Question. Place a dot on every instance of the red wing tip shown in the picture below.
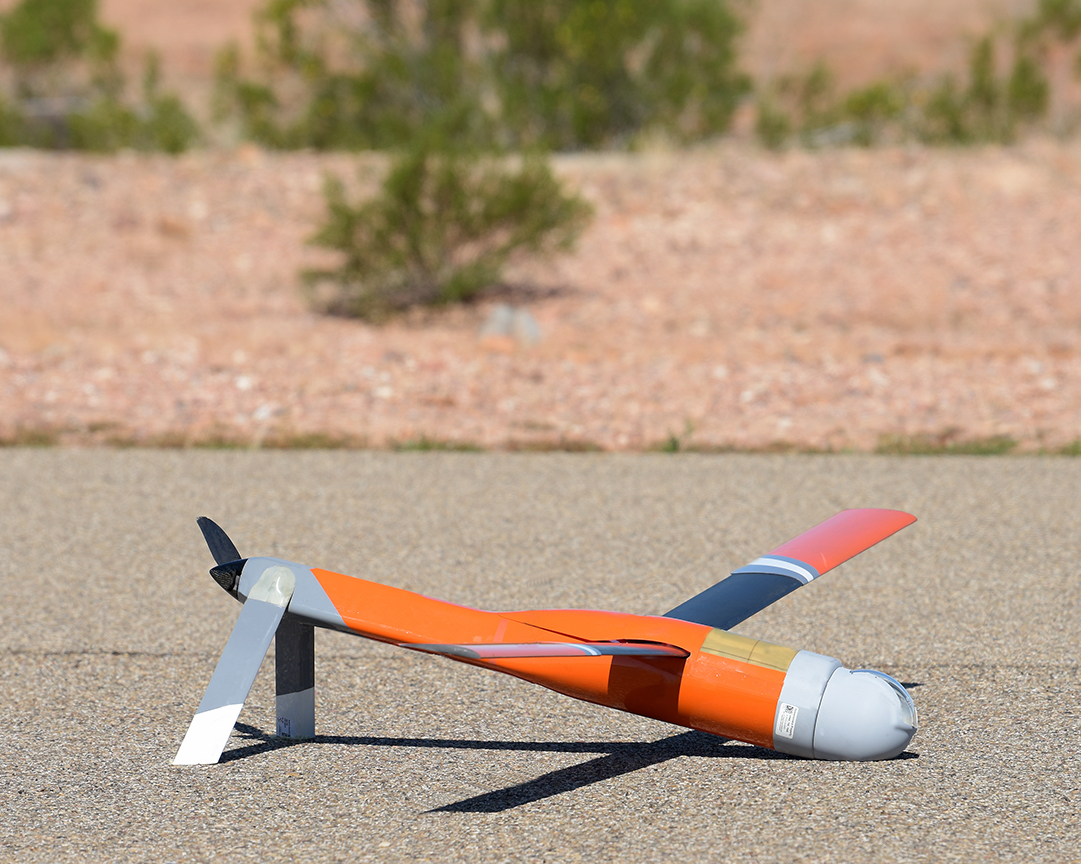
(843, 536)
(909, 518)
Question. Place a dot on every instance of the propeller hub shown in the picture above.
(228, 575)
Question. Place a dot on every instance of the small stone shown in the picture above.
(265, 411)
(500, 322)
(507, 326)
(524, 328)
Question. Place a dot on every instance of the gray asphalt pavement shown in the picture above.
(110, 628)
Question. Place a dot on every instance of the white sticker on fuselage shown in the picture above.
(786, 720)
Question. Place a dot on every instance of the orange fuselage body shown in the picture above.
(728, 685)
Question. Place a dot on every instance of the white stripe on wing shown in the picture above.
(802, 573)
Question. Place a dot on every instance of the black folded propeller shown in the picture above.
(230, 564)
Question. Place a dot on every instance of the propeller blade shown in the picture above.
(221, 547)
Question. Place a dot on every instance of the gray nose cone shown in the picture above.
(864, 715)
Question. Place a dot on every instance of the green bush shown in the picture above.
(68, 90)
(516, 73)
(329, 82)
(38, 36)
(583, 73)
(11, 124)
(773, 125)
(1054, 19)
(871, 109)
(441, 230)
(989, 105)
(807, 107)
(993, 107)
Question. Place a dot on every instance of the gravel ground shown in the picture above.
(111, 627)
(722, 298)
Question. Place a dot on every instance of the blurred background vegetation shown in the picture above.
(469, 95)
(560, 74)
(61, 86)
(511, 75)
(1004, 92)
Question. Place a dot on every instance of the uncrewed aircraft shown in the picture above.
(682, 667)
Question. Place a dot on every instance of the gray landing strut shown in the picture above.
(294, 674)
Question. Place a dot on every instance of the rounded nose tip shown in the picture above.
(864, 715)
(228, 575)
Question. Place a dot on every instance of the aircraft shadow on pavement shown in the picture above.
(616, 759)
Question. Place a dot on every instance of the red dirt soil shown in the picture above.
(724, 297)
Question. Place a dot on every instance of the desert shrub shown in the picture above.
(67, 89)
(1055, 19)
(871, 109)
(440, 231)
(559, 74)
(159, 122)
(44, 39)
(814, 95)
(1004, 90)
(807, 107)
(11, 123)
(350, 76)
(773, 125)
(993, 106)
(582, 73)
(165, 122)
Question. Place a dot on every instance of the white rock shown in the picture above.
(524, 327)
(500, 322)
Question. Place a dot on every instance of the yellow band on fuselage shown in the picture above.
(755, 651)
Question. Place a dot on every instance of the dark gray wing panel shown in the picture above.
(802, 559)
(735, 599)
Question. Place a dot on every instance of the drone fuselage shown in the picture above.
(684, 667)
(728, 685)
